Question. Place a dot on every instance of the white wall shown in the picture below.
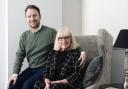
(72, 15)
(109, 14)
(3, 47)
(51, 11)
(113, 16)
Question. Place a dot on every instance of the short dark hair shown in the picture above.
(32, 7)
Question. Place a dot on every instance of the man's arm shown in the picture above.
(20, 55)
(83, 55)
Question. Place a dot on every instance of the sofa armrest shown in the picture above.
(104, 42)
(94, 86)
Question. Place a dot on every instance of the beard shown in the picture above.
(34, 26)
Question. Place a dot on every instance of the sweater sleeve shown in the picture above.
(20, 55)
(53, 36)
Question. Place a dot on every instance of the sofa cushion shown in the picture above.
(93, 70)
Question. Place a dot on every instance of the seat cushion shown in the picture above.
(93, 70)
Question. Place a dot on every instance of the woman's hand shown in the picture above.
(47, 84)
(64, 81)
(53, 82)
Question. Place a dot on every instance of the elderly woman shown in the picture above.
(63, 66)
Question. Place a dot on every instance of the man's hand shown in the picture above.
(13, 79)
(82, 57)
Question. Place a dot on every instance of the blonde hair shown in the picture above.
(64, 31)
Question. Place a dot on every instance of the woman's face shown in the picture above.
(64, 42)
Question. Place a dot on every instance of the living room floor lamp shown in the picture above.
(122, 42)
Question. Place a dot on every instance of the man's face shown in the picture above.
(33, 18)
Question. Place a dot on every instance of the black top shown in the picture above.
(61, 59)
(64, 65)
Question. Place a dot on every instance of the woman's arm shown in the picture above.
(47, 66)
(47, 70)
(63, 81)
(74, 78)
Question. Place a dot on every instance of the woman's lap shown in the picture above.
(40, 85)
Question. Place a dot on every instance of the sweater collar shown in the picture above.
(37, 29)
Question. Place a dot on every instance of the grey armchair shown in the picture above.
(100, 44)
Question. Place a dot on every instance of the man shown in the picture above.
(35, 45)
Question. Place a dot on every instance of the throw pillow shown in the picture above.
(93, 70)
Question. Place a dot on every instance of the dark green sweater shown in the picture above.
(35, 47)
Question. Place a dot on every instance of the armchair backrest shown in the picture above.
(89, 44)
(100, 44)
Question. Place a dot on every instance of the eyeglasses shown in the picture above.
(66, 38)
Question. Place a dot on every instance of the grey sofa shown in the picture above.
(100, 44)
